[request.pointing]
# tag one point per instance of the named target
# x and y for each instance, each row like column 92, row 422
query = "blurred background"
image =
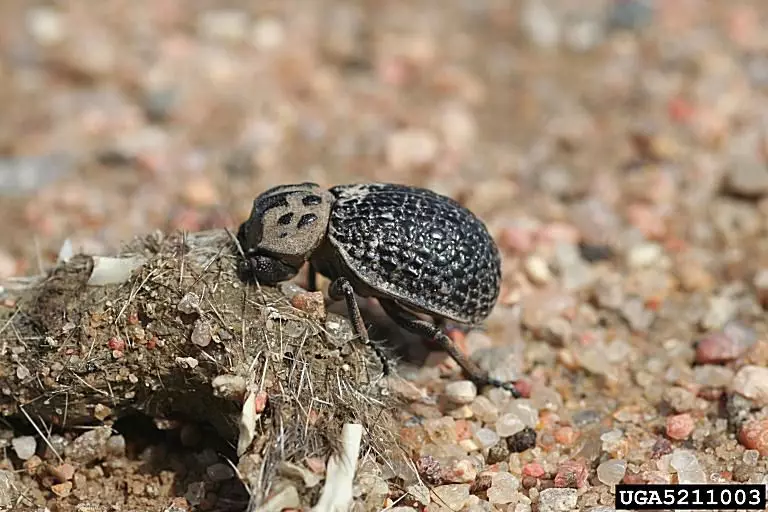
column 121, row 117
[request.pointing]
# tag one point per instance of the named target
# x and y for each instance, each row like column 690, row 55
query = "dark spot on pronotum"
column 283, row 235
column 312, row 200
column 286, row 219
column 267, row 203
column 306, row 220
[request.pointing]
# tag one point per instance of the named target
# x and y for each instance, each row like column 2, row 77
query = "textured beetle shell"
column 420, row 248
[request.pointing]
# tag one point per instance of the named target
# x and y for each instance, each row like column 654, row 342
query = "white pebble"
column 503, row 488
column 557, row 499
column 524, row 410
column 537, row 270
column 461, row 392
column 509, row 425
column 612, row 471
column 644, row 255
column 486, row 437
column 24, row 446
column 752, row 382
column 410, row 148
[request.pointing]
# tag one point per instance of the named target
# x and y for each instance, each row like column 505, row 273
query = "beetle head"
column 287, row 224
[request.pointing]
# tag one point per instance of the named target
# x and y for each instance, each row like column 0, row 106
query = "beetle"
column 414, row 250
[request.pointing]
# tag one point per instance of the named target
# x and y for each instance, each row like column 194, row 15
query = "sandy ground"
column 616, row 150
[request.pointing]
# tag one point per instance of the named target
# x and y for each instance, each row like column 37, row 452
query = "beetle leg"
column 412, row 323
column 311, row 278
column 341, row 288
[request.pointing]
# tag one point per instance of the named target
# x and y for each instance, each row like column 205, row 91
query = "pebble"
column 719, row 347
column 312, row 303
column 713, row 376
column 748, row 177
column 461, row 392
column 89, row 446
column 503, row 488
column 680, row 399
column 540, row 24
column 497, row 453
column 484, row 410
column 453, row 496
column 486, row 437
column 680, row 426
column 537, row 270
column 24, row 446
column 558, row 500
column 441, row 430
column 62, row 490
column 522, row 441
column 687, row 466
column 116, row 445
column 720, row 310
column 228, row 25
column 7, row 265
column 644, row 255
column 220, row 472
column 752, row 382
column 189, row 303
column 461, row 471
column 754, row 436
column 202, row 334
column 509, row 424
column 612, row 471
column 571, row 473
column 525, row 411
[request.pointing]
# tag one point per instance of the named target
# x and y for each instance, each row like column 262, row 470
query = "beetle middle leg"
column 341, row 288
column 412, row 323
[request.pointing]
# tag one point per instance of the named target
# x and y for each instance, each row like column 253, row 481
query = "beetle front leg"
column 311, row 278
column 341, row 288
column 413, row 324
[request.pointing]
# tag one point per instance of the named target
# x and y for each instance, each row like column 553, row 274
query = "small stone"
column 720, row 310
column 680, row 399
column 687, row 466
column 62, row 490
column 503, row 488
column 508, row 425
column 220, row 472
column 89, row 446
column 750, row 457
column 522, row 441
column 486, row 438
column 202, row 334
column 189, row 303
column 441, row 430
column 525, row 411
column 718, row 348
column 312, row 303
column 24, row 446
column 498, row 453
column 101, row 412
column 713, row 376
column 453, row 496
column 537, row 270
column 461, row 392
column 558, row 500
column 63, row 472
column 534, row 470
column 680, row 426
column 288, row 498
column 571, row 473
column 754, row 436
column 748, row 177
column 461, row 471
column 116, row 445
column 752, row 382
column 611, row 472
column 429, row 469
column 484, row 409
column 223, row 24
column 644, row 255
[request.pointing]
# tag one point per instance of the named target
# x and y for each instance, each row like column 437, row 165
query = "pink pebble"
column 717, row 348
column 679, row 426
column 559, row 232
column 572, row 473
column 754, row 436
column 533, row 469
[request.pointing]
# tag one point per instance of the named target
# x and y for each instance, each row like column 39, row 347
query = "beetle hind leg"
column 340, row 289
column 412, row 323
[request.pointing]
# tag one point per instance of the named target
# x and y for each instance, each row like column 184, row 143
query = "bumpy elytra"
column 414, row 250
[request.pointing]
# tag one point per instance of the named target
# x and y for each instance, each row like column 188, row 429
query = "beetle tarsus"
column 411, row 323
column 341, row 288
